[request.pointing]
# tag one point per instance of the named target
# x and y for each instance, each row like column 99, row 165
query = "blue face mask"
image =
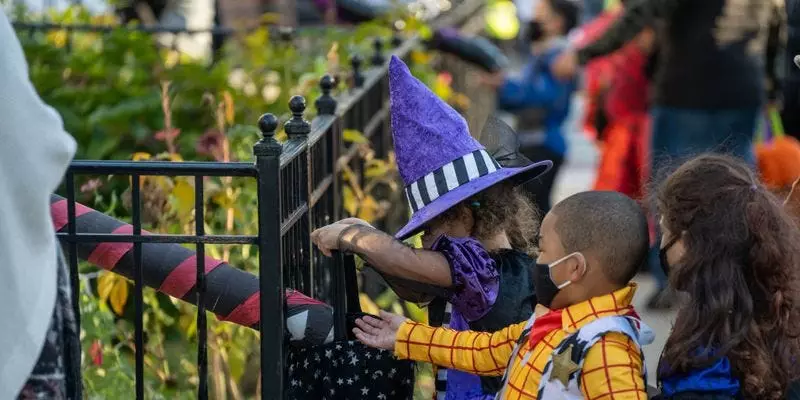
column 546, row 289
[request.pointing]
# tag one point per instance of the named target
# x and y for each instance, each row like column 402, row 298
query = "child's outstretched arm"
column 613, row 369
column 385, row 253
column 475, row 352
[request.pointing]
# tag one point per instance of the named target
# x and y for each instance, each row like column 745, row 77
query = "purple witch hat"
column 440, row 163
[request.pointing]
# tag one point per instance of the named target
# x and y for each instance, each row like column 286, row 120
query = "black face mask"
column 535, row 31
column 546, row 289
column 662, row 255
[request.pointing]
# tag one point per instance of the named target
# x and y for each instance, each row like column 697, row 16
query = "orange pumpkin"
column 778, row 158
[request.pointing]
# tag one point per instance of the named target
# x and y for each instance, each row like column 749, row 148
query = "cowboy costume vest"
column 561, row 378
column 605, row 360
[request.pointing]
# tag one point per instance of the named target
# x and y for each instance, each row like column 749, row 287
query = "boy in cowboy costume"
column 478, row 228
column 584, row 341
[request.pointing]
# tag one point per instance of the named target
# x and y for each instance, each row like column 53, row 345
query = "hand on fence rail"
column 387, row 254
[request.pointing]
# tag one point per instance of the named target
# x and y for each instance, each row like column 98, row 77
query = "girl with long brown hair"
column 732, row 249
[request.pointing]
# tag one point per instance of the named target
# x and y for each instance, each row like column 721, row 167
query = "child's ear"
column 577, row 267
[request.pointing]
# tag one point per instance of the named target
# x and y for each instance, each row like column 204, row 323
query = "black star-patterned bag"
column 345, row 368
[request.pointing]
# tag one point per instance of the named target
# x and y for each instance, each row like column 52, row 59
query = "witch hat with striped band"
column 439, row 162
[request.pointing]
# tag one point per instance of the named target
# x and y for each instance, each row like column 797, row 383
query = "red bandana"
column 552, row 321
column 543, row 325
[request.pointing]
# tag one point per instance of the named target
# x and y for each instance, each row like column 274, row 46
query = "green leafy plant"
column 123, row 97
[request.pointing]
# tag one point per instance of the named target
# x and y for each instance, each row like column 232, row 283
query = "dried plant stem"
column 165, row 107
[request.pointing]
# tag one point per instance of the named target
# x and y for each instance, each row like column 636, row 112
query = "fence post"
column 358, row 78
column 397, row 38
column 377, row 58
column 326, row 104
column 267, row 152
column 297, row 127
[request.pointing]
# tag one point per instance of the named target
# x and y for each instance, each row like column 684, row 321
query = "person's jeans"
column 682, row 133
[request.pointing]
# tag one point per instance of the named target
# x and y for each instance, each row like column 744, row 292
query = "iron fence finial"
column 267, row 146
column 358, row 78
column 397, row 38
column 378, row 58
column 297, row 126
column 326, row 104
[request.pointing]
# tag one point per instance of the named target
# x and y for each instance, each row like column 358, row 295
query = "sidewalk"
column 578, row 175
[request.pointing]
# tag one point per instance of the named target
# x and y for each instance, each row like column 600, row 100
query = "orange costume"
column 617, row 88
column 610, row 367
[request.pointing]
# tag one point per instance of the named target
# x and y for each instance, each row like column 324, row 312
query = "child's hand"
column 327, row 238
column 355, row 221
column 379, row 333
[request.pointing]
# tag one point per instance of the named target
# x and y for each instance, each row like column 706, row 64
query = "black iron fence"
column 298, row 190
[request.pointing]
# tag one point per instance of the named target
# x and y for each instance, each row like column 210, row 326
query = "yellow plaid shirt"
column 612, row 368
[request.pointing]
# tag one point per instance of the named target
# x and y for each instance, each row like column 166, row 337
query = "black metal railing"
column 298, row 188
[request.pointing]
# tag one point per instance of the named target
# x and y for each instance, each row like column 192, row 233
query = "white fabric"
column 590, row 334
column 34, row 154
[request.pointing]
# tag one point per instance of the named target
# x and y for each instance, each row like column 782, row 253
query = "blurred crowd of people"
column 662, row 80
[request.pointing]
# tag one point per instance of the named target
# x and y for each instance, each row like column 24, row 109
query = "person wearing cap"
column 478, row 228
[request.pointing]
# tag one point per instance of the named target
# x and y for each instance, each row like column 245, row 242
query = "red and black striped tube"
column 233, row 294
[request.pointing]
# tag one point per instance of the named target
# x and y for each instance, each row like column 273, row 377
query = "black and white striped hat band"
column 450, row 176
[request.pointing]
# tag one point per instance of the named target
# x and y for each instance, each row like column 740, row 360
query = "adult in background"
column 709, row 83
column 732, row 249
column 39, row 356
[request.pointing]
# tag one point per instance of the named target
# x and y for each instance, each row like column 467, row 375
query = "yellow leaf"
column 425, row 32
column 417, row 313
column 119, row 296
column 353, row 136
column 442, row 89
column 376, row 168
column 57, row 38
column 368, row 209
column 104, row 285
column 333, row 56
column 184, row 194
column 349, row 200
column 416, row 241
column 420, row 57
column 113, row 288
column 397, row 308
column 367, row 305
column 175, row 157
column 141, row 156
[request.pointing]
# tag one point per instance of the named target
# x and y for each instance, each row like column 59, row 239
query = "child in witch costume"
column 584, row 341
column 478, row 228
